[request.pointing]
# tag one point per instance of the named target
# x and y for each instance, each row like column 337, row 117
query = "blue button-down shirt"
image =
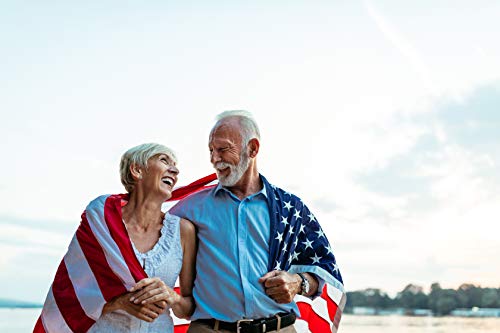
column 233, row 253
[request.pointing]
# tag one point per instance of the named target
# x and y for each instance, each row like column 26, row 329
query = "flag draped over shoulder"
column 100, row 263
column 299, row 245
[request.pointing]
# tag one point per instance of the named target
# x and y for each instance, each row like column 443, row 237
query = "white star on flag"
column 320, row 233
column 297, row 214
column 288, row 205
column 284, row 248
column 315, row 259
column 307, row 244
column 284, row 220
column 311, row 217
column 336, row 268
column 301, row 228
column 279, row 237
column 278, row 266
column 329, row 249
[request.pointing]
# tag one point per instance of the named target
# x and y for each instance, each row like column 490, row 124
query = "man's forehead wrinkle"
column 226, row 131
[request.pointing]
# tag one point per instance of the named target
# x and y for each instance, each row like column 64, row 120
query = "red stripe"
column 333, row 309
column 331, row 305
column 67, row 302
column 114, row 221
column 316, row 323
column 109, row 283
column 184, row 191
column 39, row 326
column 181, row 328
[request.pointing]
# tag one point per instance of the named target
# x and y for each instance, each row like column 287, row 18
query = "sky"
column 383, row 116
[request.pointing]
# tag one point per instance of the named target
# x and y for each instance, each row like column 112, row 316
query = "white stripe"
column 52, row 319
column 165, row 207
column 83, row 280
column 95, row 216
column 335, row 294
column 301, row 326
column 320, row 307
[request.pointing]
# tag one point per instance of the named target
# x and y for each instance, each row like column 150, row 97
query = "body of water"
column 23, row 321
column 405, row 324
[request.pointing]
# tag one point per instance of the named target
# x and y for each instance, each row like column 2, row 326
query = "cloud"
column 428, row 210
column 453, row 155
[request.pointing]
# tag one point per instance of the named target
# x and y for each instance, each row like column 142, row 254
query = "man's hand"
column 152, row 290
column 281, row 286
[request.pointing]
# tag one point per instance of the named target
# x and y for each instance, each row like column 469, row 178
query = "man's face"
column 226, row 154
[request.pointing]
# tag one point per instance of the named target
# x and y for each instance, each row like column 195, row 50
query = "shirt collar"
column 222, row 188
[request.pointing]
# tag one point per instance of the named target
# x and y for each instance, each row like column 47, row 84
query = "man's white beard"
column 235, row 171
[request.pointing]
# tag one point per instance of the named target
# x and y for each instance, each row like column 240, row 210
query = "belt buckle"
column 238, row 328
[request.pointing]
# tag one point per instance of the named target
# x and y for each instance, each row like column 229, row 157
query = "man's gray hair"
column 249, row 126
column 140, row 155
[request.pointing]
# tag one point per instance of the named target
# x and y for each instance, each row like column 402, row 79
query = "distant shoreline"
column 15, row 304
column 34, row 306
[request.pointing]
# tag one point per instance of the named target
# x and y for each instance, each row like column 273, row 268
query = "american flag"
column 298, row 244
column 100, row 264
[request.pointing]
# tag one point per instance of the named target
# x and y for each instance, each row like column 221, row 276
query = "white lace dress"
column 164, row 260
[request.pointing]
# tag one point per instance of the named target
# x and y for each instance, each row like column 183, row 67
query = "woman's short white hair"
column 249, row 126
column 140, row 155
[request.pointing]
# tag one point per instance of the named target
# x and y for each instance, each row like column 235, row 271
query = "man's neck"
column 250, row 183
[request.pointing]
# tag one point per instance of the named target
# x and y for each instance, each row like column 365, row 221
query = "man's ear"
column 136, row 171
column 253, row 147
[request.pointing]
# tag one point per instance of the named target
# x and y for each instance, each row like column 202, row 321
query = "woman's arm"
column 185, row 308
column 151, row 290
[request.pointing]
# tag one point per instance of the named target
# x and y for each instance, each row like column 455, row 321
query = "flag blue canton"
column 296, row 236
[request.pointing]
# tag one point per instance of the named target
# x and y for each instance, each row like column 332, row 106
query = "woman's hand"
column 152, row 290
column 146, row 312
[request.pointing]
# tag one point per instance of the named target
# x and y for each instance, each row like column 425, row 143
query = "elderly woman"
column 121, row 266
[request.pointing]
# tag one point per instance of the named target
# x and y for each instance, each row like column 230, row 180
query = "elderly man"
column 259, row 246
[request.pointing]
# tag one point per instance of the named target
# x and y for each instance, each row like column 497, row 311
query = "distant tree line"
column 440, row 301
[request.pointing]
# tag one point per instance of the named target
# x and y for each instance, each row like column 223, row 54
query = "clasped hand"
column 153, row 290
column 146, row 300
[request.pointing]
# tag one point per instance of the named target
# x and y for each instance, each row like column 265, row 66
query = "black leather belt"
column 261, row 325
